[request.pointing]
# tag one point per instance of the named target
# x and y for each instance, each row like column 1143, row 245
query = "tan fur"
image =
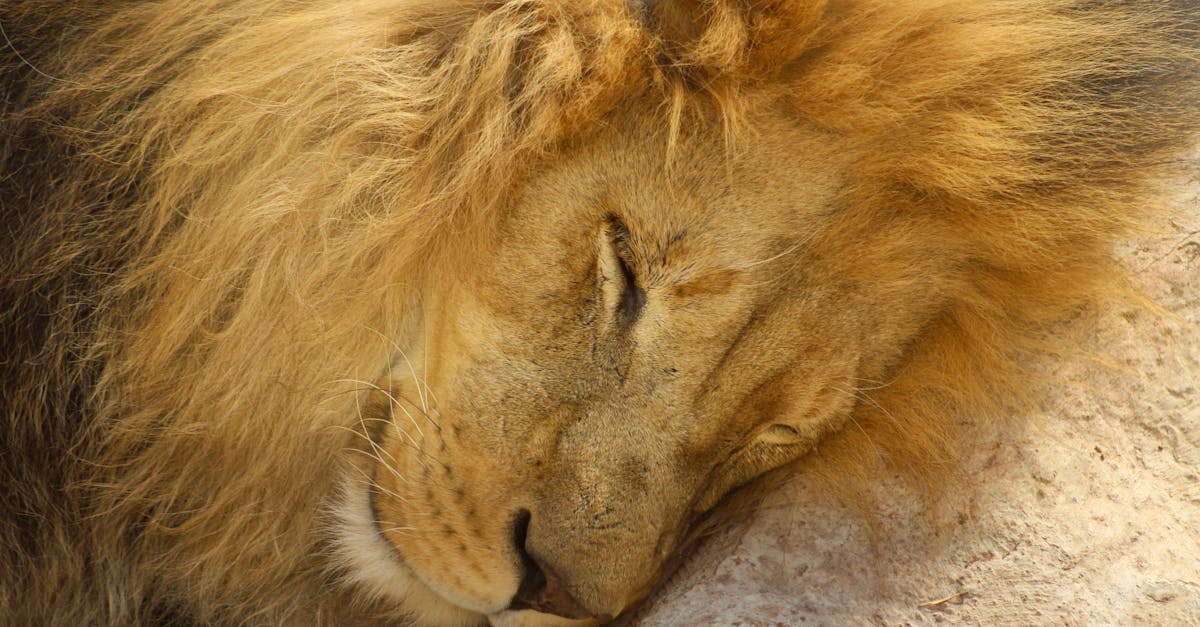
column 284, row 280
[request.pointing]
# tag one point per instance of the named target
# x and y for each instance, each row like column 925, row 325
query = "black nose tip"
column 540, row 588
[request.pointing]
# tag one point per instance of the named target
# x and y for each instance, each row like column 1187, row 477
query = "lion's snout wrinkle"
column 599, row 569
column 589, row 533
column 604, row 517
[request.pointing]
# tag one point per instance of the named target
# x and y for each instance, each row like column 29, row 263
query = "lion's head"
column 466, row 311
column 630, row 342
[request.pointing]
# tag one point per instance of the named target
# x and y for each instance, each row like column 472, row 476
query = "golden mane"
column 218, row 208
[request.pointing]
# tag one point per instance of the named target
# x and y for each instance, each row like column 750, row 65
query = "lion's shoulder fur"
column 184, row 187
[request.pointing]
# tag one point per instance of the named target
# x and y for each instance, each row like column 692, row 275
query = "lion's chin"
column 529, row 618
column 370, row 563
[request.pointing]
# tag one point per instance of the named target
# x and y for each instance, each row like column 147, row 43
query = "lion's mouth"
column 540, row 589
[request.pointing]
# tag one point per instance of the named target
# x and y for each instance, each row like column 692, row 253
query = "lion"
column 403, row 311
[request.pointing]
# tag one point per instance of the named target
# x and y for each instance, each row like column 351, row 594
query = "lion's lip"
column 552, row 599
column 541, row 590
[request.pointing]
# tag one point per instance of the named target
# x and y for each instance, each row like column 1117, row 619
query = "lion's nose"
column 540, row 589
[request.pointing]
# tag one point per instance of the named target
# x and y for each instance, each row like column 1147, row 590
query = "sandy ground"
column 1090, row 515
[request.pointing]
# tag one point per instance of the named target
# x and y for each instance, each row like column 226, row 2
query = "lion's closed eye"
column 624, row 295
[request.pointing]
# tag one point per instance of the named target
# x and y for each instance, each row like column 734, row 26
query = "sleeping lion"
column 455, row 312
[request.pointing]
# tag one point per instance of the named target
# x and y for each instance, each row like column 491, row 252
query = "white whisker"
column 412, row 370
column 371, row 483
column 391, row 397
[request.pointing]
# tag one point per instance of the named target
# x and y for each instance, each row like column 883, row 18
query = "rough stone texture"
column 1089, row 515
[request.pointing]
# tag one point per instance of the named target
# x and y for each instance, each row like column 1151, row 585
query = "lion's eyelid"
column 632, row 298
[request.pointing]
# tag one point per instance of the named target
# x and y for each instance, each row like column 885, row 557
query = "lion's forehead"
column 709, row 229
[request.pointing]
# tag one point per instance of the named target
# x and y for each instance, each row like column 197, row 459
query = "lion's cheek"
column 370, row 560
column 449, row 531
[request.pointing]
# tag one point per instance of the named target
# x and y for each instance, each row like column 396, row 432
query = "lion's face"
column 634, row 341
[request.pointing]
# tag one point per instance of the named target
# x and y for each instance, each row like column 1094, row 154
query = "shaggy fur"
column 211, row 208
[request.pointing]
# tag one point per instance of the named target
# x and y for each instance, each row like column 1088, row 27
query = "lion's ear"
column 733, row 37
